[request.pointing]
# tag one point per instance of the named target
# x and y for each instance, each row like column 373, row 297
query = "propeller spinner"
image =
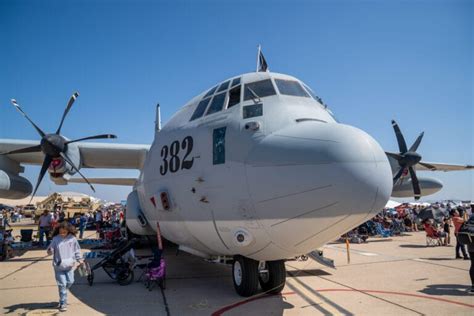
column 54, row 145
column 407, row 158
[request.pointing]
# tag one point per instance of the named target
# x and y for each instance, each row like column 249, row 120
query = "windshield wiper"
column 255, row 98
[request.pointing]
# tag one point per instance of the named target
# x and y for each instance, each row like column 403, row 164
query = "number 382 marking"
column 171, row 160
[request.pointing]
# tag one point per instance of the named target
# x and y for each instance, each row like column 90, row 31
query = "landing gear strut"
column 248, row 273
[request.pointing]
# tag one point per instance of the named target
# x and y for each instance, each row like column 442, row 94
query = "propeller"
column 54, row 145
column 407, row 158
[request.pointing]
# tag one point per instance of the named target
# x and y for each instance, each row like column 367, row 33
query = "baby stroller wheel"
column 125, row 277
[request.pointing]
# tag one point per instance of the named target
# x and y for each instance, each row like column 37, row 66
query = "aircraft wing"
column 428, row 166
column 434, row 166
column 108, row 181
column 93, row 155
column 115, row 156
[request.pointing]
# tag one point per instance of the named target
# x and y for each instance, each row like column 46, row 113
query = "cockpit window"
column 200, row 109
column 263, row 88
column 223, row 86
column 234, row 96
column 290, row 87
column 210, row 92
column 217, row 103
column 235, row 82
column 310, row 91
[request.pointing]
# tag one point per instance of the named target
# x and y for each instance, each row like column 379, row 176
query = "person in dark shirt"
column 61, row 217
column 446, row 229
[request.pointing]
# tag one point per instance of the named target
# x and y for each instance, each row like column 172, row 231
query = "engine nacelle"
column 134, row 217
column 60, row 171
column 428, row 186
column 13, row 186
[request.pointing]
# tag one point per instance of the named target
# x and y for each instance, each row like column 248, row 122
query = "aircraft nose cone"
column 364, row 168
column 312, row 182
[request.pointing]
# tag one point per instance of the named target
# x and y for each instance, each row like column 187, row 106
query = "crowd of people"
column 437, row 220
column 106, row 216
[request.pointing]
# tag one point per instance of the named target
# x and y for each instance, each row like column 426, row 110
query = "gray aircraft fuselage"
column 270, row 177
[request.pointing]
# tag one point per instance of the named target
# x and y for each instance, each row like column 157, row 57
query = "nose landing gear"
column 248, row 273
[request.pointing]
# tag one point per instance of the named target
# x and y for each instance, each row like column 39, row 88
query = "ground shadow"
column 413, row 246
column 19, row 309
column 447, row 289
column 307, row 272
column 193, row 286
column 439, row 259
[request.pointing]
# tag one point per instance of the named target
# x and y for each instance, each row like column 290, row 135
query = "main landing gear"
column 248, row 273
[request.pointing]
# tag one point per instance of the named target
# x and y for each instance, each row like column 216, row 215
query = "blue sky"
column 371, row 61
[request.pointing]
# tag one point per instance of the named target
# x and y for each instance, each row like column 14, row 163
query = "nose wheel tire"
column 273, row 280
column 245, row 276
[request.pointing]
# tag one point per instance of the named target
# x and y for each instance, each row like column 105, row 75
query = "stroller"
column 5, row 244
column 118, row 264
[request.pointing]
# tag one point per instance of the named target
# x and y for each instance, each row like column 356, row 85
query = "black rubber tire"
column 276, row 280
column 249, row 276
column 125, row 277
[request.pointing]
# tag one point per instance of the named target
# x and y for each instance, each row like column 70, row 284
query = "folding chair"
column 433, row 241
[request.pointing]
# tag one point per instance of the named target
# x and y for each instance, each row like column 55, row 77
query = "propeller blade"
column 417, row 142
column 398, row 175
column 394, row 156
column 69, row 161
column 46, row 162
column 33, row 149
column 415, row 183
column 402, row 145
column 17, row 106
column 427, row 165
column 66, row 111
column 103, row 136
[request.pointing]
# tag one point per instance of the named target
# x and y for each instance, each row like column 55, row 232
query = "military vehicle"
column 71, row 205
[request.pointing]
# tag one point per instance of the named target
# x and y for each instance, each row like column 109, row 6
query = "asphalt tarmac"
column 386, row 276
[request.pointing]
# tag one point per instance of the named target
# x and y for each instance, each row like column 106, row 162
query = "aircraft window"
column 290, row 87
column 200, row 109
column 217, row 104
column 253, row 110
column 210, row 92
column 313, row 94
column 235, row 82
column 263, row 88
column 224, row 86
column 218, row 146
column 234, row 96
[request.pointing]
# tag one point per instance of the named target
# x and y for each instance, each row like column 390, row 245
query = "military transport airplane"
column 256, row 169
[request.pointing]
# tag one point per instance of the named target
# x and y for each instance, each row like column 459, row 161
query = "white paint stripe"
column 368, row 254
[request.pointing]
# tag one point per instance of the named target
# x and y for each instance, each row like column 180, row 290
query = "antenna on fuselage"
column 262, row 65
column 158, row 118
